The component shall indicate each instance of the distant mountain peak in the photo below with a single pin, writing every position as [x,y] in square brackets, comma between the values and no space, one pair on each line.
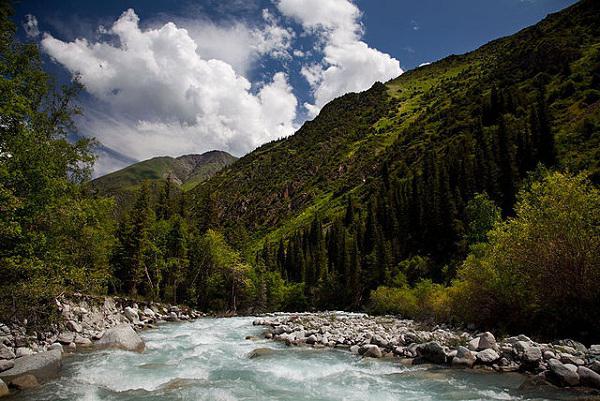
[186,170]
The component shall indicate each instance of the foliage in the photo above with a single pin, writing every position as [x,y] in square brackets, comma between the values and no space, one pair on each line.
[53,237]
[541,268]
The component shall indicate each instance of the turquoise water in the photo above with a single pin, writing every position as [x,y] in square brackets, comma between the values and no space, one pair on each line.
[207,360]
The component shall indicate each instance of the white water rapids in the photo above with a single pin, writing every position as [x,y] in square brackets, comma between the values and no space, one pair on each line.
[207,360]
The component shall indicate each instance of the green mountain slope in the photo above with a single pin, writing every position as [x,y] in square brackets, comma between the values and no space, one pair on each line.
[437,111]
[187,171]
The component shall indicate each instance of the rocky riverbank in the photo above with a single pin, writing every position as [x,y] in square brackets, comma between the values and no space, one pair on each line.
[28,359]
[564,363]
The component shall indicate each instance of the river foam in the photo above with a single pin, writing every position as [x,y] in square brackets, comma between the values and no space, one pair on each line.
[208,360]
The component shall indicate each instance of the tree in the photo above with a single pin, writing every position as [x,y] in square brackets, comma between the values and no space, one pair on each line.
[482,214]
[53,237]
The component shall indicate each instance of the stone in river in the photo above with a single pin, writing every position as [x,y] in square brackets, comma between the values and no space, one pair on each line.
[3,389]
[371,351]
[260,352]
[123,337]
[25,382]
[43,365]
[6,353]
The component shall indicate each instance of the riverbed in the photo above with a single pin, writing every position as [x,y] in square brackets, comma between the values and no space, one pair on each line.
[207,359]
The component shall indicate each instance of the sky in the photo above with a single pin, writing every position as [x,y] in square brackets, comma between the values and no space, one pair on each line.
[174,77]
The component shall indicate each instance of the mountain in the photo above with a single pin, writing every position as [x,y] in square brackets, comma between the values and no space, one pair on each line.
[187,171]
[406,156]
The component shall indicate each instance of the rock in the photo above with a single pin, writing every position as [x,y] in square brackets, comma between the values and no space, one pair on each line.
[81,341]
[74,326]
[70,348]
[549,355]
[3,389]
[123,337]
[66,338]
[23,351]
[579,347]
[54,346]
[570,359]
[260,352]
[562,374]
[486,340]
[6,364]
[463,359]
[487,356]
[172,317]
[6,353]
[354,349]
[43,365]
[131,314]
[25,382]
[474,344]
[595,366]
[371,351]
[532,355]
[432,352]
[594,349]
[588,377]
[312,339]
[149,312]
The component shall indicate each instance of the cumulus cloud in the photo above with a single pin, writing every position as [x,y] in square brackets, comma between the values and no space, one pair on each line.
[349,64]
[161,91]
[30,25]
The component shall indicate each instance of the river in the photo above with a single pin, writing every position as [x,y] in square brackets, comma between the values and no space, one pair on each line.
[207,360]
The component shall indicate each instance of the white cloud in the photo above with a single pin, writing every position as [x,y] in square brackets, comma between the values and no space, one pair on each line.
[31,26]
[349,64]
[163,93]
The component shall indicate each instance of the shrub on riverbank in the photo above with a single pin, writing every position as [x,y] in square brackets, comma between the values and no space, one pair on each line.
[539,272]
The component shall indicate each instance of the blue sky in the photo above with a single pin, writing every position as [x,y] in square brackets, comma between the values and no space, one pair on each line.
[170,77]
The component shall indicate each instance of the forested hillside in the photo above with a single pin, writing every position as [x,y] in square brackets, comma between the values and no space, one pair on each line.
[377,189]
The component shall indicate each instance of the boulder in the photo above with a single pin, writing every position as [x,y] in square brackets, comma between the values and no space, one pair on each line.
[6,353]
[562,374]
[432,352]
[588,377]
[354,349]
[260,352]
[594,349]
[595,366]
[74,326]
[487,356]
[122,337]
[3,389]
[474,344]
[131,314]
[463,359]
[25,382]
[23,351]
[486,340]
[70,348]
[66,338]
[532,355]
[54,346]
[371,351]
[312,339]
[43,365]
[6,364]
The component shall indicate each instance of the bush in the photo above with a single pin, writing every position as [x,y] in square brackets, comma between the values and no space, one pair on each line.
[540,271]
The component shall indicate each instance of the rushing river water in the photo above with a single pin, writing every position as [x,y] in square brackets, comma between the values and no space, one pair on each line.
[207,360]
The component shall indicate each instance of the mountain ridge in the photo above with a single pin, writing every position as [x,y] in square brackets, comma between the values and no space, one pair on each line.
[186,170]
